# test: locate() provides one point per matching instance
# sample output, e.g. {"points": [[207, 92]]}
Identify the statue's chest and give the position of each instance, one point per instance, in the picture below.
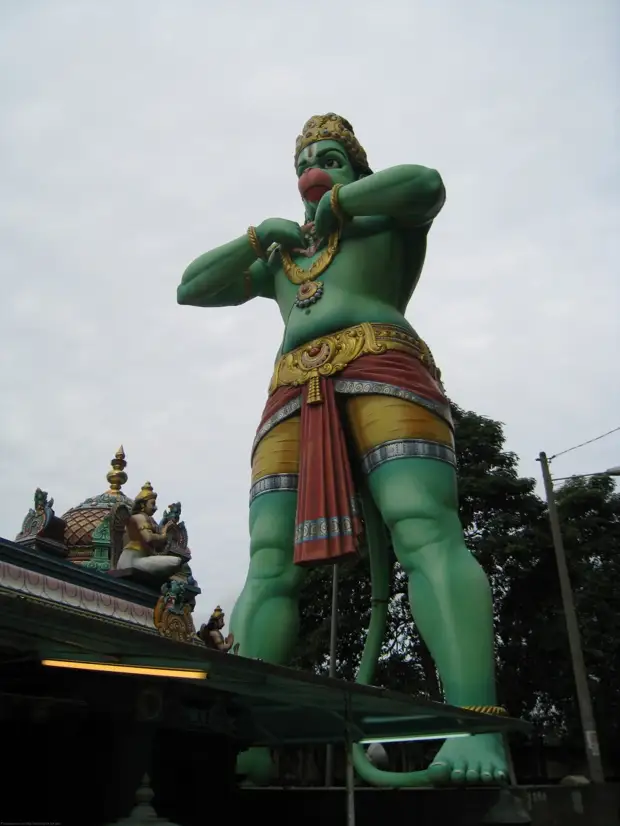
{"points": [[153, 526], [305, 277], [136, 525]]}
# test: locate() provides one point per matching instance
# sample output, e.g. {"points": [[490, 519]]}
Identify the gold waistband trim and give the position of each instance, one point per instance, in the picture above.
{"points": [[133, 545], [330, 354]]}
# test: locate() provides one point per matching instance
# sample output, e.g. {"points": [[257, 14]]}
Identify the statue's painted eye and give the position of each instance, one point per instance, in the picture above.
{"points": [[332, 163]]}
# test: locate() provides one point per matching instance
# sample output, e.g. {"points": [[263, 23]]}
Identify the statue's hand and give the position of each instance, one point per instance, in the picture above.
{"points": [[280, 231], [325, 222]]}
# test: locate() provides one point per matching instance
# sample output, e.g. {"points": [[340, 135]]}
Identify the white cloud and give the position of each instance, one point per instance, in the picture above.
{"points": [[137, 135]]}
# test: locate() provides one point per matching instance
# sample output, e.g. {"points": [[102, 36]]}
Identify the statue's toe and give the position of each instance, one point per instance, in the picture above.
{"points": [[458, 776], [473, 773], [440, 772], [486, 776], [500, 776]]}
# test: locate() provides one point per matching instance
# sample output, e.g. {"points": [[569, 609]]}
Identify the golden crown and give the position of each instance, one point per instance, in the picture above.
{"points": [[217, 613], [146, 493], [332, 127]]}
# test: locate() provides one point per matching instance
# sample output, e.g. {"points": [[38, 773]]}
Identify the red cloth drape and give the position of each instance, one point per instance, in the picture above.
{"points": [[327, 525]]}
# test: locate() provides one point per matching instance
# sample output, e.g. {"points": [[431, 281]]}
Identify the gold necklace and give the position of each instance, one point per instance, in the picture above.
{"points": [[297, 275]]}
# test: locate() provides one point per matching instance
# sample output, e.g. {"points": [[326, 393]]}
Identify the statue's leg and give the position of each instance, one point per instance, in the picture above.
{"points": [[449, 592], [265, 619], [159, 565]]}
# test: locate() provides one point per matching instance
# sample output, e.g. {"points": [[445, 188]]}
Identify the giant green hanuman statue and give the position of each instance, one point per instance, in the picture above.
{"points": [[357, 423]]}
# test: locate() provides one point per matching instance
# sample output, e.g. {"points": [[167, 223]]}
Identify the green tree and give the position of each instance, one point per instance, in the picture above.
{"points": [[589, 511]]}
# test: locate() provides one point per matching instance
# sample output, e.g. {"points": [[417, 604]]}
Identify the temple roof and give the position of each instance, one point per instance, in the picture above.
{"points": [[92, 534], [273, 705]]}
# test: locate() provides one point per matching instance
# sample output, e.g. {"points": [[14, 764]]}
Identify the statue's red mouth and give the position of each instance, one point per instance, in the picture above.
{"points": [[313, 184]]}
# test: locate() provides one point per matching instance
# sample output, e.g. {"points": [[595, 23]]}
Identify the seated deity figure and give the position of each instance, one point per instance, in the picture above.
{"points": [[355, 447], [144, 540], [211, 633]]}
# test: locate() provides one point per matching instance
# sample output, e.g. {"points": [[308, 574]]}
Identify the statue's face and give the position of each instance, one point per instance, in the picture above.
{"points": [[319, 167], [150, 507]]}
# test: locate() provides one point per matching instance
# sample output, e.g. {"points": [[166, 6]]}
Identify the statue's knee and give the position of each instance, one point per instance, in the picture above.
{"points": [[414, 506], [275, 569], [272, 525], [271, 555], [422, 523], [413, 535], [270, 534]]}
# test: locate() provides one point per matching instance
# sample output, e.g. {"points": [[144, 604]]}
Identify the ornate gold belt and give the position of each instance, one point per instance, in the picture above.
{"points": [[134, 545], [329, 354]]}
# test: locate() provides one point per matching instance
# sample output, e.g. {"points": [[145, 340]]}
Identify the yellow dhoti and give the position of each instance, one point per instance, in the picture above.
{"points": [[372, 422]]}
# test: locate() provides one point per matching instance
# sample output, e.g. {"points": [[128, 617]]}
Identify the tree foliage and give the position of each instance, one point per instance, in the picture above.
{"points": [[506, 526]]}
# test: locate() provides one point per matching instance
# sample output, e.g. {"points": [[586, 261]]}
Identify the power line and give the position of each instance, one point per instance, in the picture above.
{"points": [[589, 442]]}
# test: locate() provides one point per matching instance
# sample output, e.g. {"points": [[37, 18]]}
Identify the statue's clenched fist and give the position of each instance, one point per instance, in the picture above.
{"points": [[280, 231]]}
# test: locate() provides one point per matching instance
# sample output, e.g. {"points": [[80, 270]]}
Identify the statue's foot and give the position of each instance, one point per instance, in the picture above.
{"points": [[480, 758], [255, 766]]}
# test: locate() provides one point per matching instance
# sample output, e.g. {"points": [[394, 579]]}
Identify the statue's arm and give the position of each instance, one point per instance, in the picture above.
{"points": [[219, 642], [409, 193], [226, 277], [148, 536]]}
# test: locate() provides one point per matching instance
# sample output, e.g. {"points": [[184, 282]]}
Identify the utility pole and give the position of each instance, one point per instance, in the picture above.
{"points": [[333, 639], [588, 724]]}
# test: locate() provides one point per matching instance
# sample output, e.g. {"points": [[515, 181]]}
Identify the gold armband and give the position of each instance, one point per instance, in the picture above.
{"points": [[256, 244], [497, 710]]}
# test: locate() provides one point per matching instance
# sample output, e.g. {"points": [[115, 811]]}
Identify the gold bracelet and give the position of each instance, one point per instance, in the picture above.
{"points": [[334, 203], [256, 244], [497, 710]]}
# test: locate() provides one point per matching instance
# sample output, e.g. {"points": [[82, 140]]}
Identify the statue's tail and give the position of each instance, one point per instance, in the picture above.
{"points": [[380, 575]]}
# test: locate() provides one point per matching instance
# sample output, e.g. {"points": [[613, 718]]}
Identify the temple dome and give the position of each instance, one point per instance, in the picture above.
{"points": [[83, 520], [94, 528]]}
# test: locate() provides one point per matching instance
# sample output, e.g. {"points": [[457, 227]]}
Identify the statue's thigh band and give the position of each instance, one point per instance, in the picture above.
{"points": [[275, 464], [384, 428]]}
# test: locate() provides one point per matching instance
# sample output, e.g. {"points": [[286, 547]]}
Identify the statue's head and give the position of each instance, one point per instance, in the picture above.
{"points": [[327, 153], [145, 501], [216, 620]]}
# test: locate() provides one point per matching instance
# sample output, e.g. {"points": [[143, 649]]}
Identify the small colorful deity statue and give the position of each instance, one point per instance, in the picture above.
{"points": [[211, 632], [144, 539], [37, 518], [172, 514], [177, 544], [41, 525], [172, 615], [356, 412], [176, 531]]}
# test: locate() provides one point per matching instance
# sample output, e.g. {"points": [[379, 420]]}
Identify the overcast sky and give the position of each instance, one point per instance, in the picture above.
{"points": [[137, 135]]}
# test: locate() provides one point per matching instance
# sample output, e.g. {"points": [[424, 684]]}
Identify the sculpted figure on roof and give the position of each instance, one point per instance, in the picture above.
{"points": [[144, 539]]}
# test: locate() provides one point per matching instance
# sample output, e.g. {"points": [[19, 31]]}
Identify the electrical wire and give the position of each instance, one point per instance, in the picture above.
{"points": [[589, 442]]}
